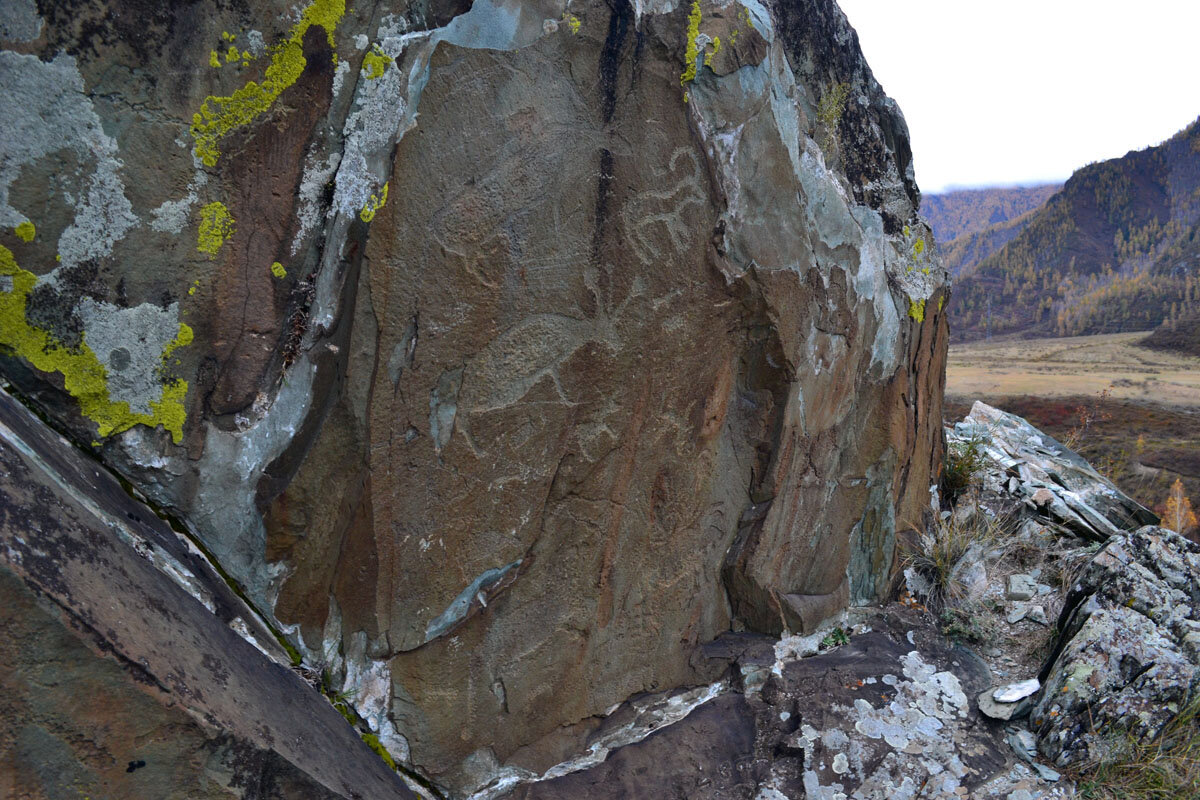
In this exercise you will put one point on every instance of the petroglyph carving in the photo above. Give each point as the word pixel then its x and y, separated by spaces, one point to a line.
pixel 653 213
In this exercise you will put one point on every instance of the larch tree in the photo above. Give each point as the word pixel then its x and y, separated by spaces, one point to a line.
pixel 1179 515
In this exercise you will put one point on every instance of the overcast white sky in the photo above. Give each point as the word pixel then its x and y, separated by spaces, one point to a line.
pixel 1027 91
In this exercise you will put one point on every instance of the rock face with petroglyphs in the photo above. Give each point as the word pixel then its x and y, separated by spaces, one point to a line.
pixel 501 354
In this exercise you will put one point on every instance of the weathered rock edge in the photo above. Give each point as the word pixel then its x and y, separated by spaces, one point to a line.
pixel 130 669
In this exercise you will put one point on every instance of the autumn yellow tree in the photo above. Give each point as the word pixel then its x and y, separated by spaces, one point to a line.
pixel 1179 516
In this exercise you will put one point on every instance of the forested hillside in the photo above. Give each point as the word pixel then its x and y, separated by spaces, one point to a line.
pixel 969 249
pixel 1117 249
pixel 965 211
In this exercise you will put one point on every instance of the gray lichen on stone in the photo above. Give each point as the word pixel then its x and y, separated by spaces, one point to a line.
pixel 129 342
pixel 19 21
pixel 44 108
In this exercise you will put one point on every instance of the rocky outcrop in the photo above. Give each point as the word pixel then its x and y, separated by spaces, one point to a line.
pixel 1128 657
pixel 502 354
pixel 1124 658
pixel 1026 465
pixel 883 714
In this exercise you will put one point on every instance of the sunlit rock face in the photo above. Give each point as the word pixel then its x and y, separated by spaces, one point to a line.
pixel 502 353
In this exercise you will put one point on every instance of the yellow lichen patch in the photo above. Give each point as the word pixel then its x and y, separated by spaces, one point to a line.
pixel 216 225
pixel 373 742
pixel 214 60
pixel 227 36
pixel 376 202
pixel 375 63
pixel 941 303
pixel 746 18
pixel 220 115
pixel 84 376
pixel 232 54
pixel 716 48
pixel 278 271
pixel 916 309
pixel 572 21
pixel 689 53
pixel 25 231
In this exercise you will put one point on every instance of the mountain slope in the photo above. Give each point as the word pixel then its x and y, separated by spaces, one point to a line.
pixel 965 211
pixel 1116 249
pixel 969 249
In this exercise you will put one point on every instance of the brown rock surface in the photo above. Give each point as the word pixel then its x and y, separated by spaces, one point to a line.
pixel 517 367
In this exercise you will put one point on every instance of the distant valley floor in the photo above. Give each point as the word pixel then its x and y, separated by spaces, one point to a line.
pixel 1144 434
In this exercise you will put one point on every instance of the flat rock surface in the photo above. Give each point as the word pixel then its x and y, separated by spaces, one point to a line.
pixel 885 716
pixel 119 683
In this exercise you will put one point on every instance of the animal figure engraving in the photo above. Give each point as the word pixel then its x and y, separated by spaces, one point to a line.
pixel 655 217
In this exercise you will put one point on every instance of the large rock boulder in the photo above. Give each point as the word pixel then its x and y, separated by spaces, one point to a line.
pixel 1128 657
pixel 501 353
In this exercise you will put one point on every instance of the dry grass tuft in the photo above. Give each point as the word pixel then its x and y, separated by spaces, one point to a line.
pixel 943 553
pixel 1166 768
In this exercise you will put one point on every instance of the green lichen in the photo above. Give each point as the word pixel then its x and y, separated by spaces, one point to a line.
pixel 216 225
pixel 831 108
pixel 373 742
pixel 375 63
pixel 376 202
pixel 916 309
pixel 220 115
pixel 690 52
pixel 232 54
pixel 25 231
pixel 84 377
pixel 941 303
pixel 572 22
pixel 278 271
pixel 214 60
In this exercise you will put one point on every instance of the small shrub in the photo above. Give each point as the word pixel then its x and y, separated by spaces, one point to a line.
pixel 1087 416
pixel 830 109
pixel 835 638
pixel 960 625
pixel 964 460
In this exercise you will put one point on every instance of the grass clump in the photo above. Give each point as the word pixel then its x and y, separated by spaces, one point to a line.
pixel 942 554
pixel 1165 768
